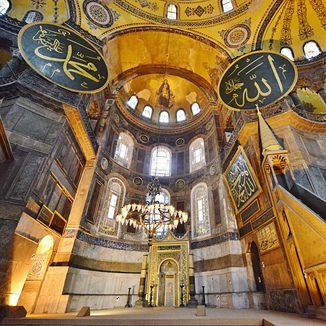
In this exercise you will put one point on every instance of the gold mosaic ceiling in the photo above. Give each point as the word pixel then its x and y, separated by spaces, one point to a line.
pixel 143 48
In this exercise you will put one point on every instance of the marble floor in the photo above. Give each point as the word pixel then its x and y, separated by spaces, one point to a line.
pixel 168 317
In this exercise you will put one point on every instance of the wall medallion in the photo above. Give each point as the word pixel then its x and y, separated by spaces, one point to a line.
pixel 116 118
pixel 237 36
pixel 104 163
pixel 179 142
pixel 180 183
pixel 144 138
pixel 138 181
pixel 212 169
pixel 63 57
pixel 97 13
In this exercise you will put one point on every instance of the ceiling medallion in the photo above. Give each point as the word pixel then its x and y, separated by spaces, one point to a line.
pixel 104 163
pixel 144 138
pixel 180 142
pixel 98 14
pixel 180 183
pixel 237 36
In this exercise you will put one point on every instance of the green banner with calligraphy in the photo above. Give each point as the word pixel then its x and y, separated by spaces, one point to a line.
pixel 242 183
pixel 258 78
pixel 63 57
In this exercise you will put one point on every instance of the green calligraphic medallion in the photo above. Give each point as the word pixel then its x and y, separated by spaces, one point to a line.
pixel 63 57
pixel 258 78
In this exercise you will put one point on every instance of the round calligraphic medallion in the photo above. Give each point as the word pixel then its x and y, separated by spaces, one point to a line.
pixel 180 142
pixel 138 181
pixel 104 163
pixel 180 183
pixel 98 14
pixel 237 36
pixel 256 79
pixel 63 57
pixel 144 138
pixel 116 118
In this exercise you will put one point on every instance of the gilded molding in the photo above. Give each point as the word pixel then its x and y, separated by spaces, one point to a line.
pixel 80 132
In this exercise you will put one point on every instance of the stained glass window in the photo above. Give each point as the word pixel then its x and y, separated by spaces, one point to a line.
pixel 227 5
pixel 311 49
pixel 147 111
pixel 164 117
pixel 195 108
pixel 181 115
pixel 288 53
pixel 4 6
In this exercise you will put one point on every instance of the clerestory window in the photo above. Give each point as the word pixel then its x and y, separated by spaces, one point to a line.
pixel 172 11
pixel 197 154
pixel 123 152
pixel 161 161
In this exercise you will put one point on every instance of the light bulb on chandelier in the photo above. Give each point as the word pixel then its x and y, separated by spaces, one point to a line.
pixel 153 215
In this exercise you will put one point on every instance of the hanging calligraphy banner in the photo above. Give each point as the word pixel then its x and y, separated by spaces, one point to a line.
pixel 63 57
pixel 258 78
pixel 241 181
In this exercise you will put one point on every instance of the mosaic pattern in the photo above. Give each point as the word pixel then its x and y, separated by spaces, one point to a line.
pixel 216 240
pixel 237 36
pixel 147 4
pixel 305 30
pixel 55 11
pixel 319 8
pixel 286 38
pixel 98 14
pixel 38 4
pixel 109 243
pixel 163 20
pixel 199 10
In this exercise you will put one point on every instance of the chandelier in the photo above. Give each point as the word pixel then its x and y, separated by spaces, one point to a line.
pixel 152 216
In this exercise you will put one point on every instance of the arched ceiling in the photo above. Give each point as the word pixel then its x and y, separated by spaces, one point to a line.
pixel 143 48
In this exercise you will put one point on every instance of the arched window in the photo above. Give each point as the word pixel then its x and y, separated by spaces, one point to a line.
pixel 288 53
pixel 161 161
pixel 147 112
pixel 227 5
pixel 4 7
pixel 123 152
pixel 181 115
pixel 171 11
pixel 195 108
pixel 197 154
pixel 200 210
pixel 164 117
pixel 162 197
pixel 112 203
pixel 33 16
pixel 133 101
pixel 311 49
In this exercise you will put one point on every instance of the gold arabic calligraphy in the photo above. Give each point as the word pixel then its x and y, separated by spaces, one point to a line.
pixel 262 87
pixel 73 62
pixel 241 182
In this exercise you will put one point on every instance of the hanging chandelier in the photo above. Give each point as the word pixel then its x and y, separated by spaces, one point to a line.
pixel 152 216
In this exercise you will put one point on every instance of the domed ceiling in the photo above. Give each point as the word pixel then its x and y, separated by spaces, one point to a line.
pixel 143 48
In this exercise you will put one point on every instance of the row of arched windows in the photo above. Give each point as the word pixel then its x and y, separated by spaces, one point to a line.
pixel 161 156
pixel 311 49
pixel 199 208
pixel 164 116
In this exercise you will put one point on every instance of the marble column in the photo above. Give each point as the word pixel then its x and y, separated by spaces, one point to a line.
pixel 141 302
pixel 192 302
